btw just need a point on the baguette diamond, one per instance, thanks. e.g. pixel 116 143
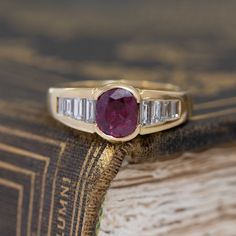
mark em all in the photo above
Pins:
pixel 158 111
pixel 175 109
pixel 68 105
pixel 90 111
pixel 165 110
pixel 81 109
pixel 65 106
pixel 145 112
pixel 60 106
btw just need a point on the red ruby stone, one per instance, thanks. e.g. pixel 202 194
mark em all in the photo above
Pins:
pixel 117 112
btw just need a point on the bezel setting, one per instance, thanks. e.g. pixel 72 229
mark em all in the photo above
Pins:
pixel 99 92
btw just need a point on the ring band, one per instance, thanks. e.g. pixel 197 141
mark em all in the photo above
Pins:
pixel 119 110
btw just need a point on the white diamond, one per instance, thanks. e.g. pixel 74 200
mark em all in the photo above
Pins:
pixel 156 112
pixel 68 106
pixel 60 105
pixel 80 108
pixel 153 112
pixel 174 109
pixel 165 110
pixel 90 111
pixel 145 112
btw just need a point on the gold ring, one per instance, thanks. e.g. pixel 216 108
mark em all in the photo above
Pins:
pixel 119 110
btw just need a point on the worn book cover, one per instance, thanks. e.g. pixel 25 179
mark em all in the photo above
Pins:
pixel 53 179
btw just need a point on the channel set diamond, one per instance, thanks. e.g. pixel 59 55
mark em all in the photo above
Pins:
pixel 155 115
pixel 81 109
pixel 90 111
pixel 145 112
pixel 158 111
pixel 65 106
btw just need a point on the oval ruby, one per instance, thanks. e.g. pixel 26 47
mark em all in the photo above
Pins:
pixel 117 112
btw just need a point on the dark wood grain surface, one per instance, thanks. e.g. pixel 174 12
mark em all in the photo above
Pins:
pixel 188 43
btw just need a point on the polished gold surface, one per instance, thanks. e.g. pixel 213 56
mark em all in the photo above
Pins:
pixel 142 90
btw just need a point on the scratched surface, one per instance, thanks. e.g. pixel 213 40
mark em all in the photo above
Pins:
pixel 47 171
